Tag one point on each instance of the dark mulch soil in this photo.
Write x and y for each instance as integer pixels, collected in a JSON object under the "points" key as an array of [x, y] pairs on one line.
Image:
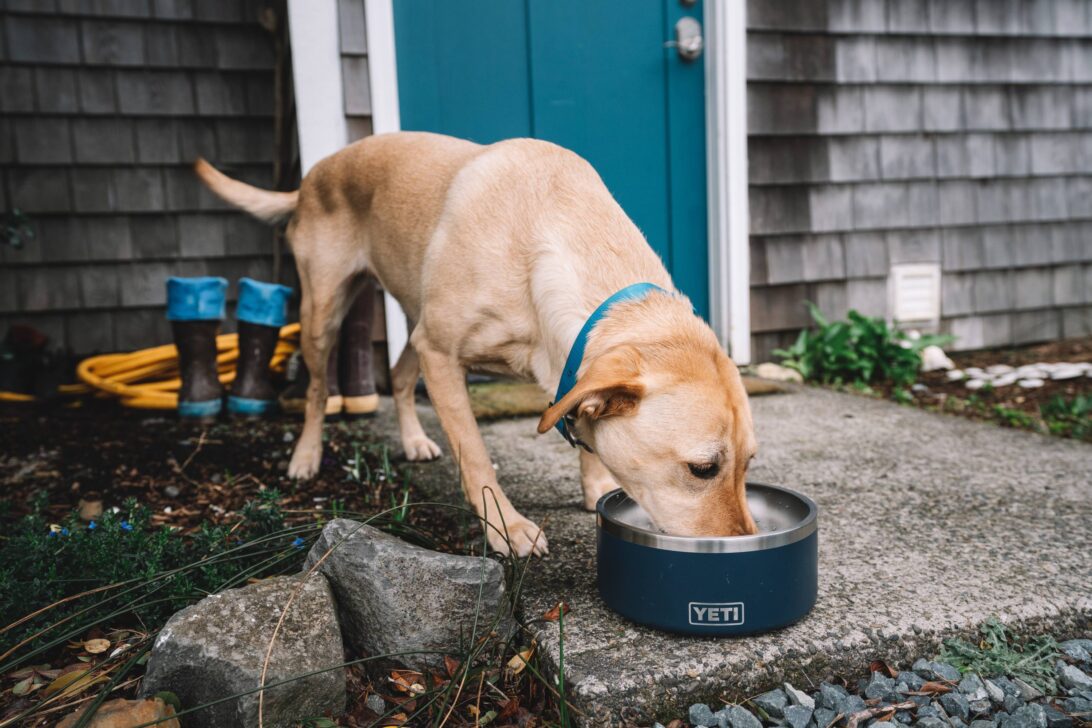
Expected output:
{"points": [[189, 474], [955, 398]]}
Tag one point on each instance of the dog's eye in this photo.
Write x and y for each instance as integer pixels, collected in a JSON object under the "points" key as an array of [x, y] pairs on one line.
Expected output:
{"points": [[705, 471]]}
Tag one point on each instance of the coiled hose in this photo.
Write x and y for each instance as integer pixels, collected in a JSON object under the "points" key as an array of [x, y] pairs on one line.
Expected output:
{"points": [[149, 378]]}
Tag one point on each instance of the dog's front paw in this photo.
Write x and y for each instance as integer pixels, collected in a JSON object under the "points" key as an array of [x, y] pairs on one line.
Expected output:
{"points": [[305, 462], [524, 538], [420, 449]]}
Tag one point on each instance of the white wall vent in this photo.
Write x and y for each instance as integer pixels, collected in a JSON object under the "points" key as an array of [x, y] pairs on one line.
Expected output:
{"points": [[913, 292]]}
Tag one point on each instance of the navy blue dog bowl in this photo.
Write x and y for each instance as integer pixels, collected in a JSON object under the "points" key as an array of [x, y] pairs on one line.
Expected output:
{"points": [[728, 585]]}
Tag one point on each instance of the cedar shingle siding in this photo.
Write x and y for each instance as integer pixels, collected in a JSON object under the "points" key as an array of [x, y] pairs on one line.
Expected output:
{"points": [[105, 103], [950, 131]]}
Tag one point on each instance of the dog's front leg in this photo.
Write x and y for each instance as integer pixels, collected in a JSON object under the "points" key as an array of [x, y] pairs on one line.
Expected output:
{"points": [[595, 479], [507, 530]]}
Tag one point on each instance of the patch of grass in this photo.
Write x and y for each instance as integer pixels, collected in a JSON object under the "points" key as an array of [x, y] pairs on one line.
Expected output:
{"points": [[44, 567], [859, 351], [999, 653]]}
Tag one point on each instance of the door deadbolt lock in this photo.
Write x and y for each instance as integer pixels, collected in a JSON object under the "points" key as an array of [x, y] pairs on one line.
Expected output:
{"points": [[688, 39]]}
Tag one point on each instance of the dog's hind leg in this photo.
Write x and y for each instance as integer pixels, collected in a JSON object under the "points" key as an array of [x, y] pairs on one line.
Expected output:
{"points": [[326, 288], [404, 375]]}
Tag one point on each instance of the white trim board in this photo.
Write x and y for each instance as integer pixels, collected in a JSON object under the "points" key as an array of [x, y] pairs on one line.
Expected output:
{"points": [[386, 117], [726, 174]]}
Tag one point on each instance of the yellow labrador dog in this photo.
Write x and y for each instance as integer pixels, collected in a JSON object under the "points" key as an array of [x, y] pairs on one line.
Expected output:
{"points": [[498, 254]]}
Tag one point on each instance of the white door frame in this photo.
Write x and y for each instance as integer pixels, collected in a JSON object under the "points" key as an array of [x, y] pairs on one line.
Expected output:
{"points": [[321, 120]]}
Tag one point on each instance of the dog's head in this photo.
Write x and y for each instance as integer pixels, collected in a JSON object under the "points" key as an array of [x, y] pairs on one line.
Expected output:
{"points": [[672, 424]]}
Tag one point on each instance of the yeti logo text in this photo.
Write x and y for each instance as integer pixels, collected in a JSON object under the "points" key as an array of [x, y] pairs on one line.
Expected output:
{"points": [[716, 614]]}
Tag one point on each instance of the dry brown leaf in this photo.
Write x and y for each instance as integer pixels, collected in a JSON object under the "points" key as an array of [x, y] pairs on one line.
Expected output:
{"points": [[72, 683], [407, 681], [451, 665], [508, 708], [97, 646], [519, 661], [557, 612], [23, 687], [677, 723], [933, 688], [883, 668]]}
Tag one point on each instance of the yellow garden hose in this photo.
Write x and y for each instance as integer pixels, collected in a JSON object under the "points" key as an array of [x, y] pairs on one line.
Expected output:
{"points": [[149, 379]]}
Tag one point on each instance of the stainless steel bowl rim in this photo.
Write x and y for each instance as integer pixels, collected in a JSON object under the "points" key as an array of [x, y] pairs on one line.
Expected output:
{"points": [[710, 544]]}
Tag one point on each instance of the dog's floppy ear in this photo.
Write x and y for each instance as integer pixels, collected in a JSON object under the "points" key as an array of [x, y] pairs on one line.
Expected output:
{"points": [[611, 386]]}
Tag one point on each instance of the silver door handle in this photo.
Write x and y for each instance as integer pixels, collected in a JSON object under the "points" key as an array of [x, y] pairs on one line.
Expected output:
{"points": [[688, 39]]}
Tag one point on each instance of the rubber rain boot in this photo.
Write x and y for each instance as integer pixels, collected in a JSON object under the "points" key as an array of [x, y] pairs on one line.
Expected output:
{"points": [[294, 399], [195, 308], [262, 311], [357, 376]]}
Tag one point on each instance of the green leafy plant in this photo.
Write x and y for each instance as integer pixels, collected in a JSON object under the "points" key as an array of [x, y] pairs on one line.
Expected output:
{"points": [[999, 653], [15, 228], [1069, 417], [1011, 417], [859, 351]]}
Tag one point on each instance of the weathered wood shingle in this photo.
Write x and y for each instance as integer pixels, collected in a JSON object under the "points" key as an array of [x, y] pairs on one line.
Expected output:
{"points": [[106, 104], [949, 131]]}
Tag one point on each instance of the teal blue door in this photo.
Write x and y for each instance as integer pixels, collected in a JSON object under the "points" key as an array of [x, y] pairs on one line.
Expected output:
{"points": [[595, 76]]}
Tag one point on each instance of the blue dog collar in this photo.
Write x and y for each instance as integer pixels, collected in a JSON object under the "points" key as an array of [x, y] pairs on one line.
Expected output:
{"points": [[634, 292]]}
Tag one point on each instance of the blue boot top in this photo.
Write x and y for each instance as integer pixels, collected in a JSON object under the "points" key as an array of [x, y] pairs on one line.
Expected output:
{"points": [[261, 303], [196, 299]]}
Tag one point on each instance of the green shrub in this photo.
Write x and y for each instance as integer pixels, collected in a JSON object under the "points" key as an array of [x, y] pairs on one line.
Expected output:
{"points": [[156, 570], [860, 351]]}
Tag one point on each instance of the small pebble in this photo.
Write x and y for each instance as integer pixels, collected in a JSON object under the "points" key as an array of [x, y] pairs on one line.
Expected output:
{"points": [[1004, 380], [831, 696], [824, 717], [883, 724], [773, 703], [1026, 692], [954, 375], [700, 714], [975, 384], [981, 724], [376, 704], [931, 722], [735, 716], [799, 697], [1077, 650], [972, 687], [798, 716], [289, 437], [1011, 703], [912, 679], [1056, 718], [999, 369], [995, 693], [1072, 677], [171, 491], [956, 704], [1031, 383]]}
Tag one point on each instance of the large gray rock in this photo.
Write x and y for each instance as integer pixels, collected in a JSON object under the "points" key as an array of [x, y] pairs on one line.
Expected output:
{"points": [[216, 649], [394, 597]]}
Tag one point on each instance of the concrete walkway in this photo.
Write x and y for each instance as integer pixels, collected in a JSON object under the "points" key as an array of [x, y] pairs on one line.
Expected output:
{"points": [[929, 524]]}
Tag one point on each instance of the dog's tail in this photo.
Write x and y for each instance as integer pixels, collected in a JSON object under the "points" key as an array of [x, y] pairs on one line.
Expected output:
{"points": [[265, 205]]}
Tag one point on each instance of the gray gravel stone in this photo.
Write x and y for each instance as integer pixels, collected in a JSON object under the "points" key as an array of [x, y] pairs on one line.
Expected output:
{"points": [[1072, 677], [944, 671], [376, 704], [216, 648], [1078, 705], [799, 697], [798, 716], [995, 693], [904, 716], [883, 724], [956, 704], [735, 716], [773, 703], [824, 717], [981, 724], [879, 686], [931, 722], [1030, 716], [1076, 649], [971, 686], [956, 722], [1011, 703], [1026, 692], [831, 696], [979, 707], [921, 667], [1005, 684], [393, 596], [853, 704], [928, 711], [912, 679], [1056, 718], [700, 714]]}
